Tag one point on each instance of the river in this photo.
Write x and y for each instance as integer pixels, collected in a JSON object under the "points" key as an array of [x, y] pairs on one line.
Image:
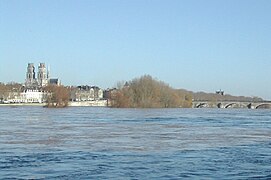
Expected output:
{"points": [[107, 143]]}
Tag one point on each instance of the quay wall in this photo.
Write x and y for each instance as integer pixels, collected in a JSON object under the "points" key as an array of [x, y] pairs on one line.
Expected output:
{"points": [[98, 103], [22, 104]]}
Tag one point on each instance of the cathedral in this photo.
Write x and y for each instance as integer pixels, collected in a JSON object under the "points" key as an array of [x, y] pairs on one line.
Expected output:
{"points": [[42, 79]]}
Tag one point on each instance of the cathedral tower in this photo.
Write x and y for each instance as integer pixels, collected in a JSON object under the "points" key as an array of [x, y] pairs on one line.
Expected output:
{"points": [[30, 75], [42, 75]]}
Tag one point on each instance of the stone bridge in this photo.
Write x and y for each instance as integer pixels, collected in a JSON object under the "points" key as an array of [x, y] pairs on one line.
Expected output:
{"points": [[232, 104]]}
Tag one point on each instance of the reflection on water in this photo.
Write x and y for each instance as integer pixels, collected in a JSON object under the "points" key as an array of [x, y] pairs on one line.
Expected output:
{"points": [[109, 143]]}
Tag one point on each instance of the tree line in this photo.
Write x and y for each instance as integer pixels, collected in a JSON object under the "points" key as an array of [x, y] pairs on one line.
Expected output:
{"points": [[147, 92]]}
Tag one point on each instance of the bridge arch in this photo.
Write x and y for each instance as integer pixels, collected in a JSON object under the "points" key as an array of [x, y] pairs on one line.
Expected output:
{"points": [[201, 105], [239, 105], [263, 105], [230, 105]]}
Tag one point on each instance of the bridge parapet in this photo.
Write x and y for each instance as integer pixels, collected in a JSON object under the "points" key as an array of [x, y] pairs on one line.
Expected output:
{"points": [[232, 104]]}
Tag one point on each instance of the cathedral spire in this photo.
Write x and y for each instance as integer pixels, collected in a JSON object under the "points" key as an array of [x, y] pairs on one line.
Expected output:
{"points": [[48, 72]]}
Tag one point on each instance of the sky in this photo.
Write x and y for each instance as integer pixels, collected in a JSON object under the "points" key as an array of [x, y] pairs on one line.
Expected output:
{"points": [[198, 45]]}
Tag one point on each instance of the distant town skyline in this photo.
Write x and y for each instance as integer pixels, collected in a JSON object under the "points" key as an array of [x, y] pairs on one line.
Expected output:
{"points": [[191, 44]]}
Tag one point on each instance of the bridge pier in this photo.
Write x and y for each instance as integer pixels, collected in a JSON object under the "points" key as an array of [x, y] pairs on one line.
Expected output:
{"points": [[220, 105], [249, 106]]}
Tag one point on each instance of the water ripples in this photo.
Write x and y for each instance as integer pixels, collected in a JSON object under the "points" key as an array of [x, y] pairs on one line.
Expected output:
{"points": [[103, 143]]}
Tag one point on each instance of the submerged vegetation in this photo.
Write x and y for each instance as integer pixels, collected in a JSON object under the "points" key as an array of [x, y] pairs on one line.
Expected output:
{"points": [[147, 92], [58, 96]]}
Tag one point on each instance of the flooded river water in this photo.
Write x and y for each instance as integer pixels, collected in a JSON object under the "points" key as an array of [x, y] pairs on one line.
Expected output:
{"points": [[105, 143]]}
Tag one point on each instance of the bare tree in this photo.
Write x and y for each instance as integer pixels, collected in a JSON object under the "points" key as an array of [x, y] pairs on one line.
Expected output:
{"points": [[58, 96], [146, 92]]}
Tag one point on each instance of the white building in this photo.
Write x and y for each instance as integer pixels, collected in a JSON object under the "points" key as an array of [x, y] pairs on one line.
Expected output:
{"points": [[27, 96], [33, 96]]}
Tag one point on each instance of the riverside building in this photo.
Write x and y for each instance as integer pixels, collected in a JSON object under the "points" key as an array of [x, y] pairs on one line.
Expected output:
{"points": [[33, 90], [86, 93]]}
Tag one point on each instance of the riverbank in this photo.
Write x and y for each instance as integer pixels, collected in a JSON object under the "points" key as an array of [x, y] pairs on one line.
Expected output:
{"points": [[98, 103], [23, 104]]}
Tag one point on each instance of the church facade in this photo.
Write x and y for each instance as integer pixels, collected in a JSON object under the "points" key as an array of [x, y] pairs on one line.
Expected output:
{"points": [[41, 79]]}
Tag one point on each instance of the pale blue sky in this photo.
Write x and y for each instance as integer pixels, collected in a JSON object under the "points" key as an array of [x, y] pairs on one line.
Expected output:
{"points": [[199, 45]]}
